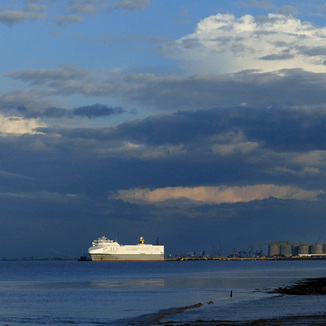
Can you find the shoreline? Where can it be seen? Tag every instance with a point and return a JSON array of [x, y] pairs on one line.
[[278, 321], [307, 287], [291, 258], [165, 318]]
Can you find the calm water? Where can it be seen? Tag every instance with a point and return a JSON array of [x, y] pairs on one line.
[[118, 293]]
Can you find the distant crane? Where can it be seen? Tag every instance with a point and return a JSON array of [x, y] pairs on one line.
[[319, 237]]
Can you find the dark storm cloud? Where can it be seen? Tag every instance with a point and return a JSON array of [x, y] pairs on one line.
[[236, 146], [301, 129], [259, 144], [65, 177], [96, 110], [275, 129], [90, 112], [27, 104]]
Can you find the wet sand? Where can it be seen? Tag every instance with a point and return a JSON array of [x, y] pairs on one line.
[[282, 321], [316, 286], [286, 320]]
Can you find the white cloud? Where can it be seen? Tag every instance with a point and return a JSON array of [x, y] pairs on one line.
[[217, 195], [226, 44], [18, 125]]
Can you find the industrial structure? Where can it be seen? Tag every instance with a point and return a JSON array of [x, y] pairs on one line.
[[287, 249]]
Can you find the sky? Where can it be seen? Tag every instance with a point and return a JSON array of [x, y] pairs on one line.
[[200, 124]]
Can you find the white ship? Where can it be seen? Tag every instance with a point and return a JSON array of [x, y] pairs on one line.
[[104, 249]]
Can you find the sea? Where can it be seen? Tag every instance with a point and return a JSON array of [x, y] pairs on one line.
[[149, 293]]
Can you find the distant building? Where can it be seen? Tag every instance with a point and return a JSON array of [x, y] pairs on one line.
[[286, 249]]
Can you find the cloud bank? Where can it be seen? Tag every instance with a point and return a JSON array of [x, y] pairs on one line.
[[291, 87], [217, 195]]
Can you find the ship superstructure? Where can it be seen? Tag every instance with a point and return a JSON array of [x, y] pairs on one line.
[[104, 249]]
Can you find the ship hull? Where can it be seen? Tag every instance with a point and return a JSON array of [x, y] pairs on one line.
[[126, 257]]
